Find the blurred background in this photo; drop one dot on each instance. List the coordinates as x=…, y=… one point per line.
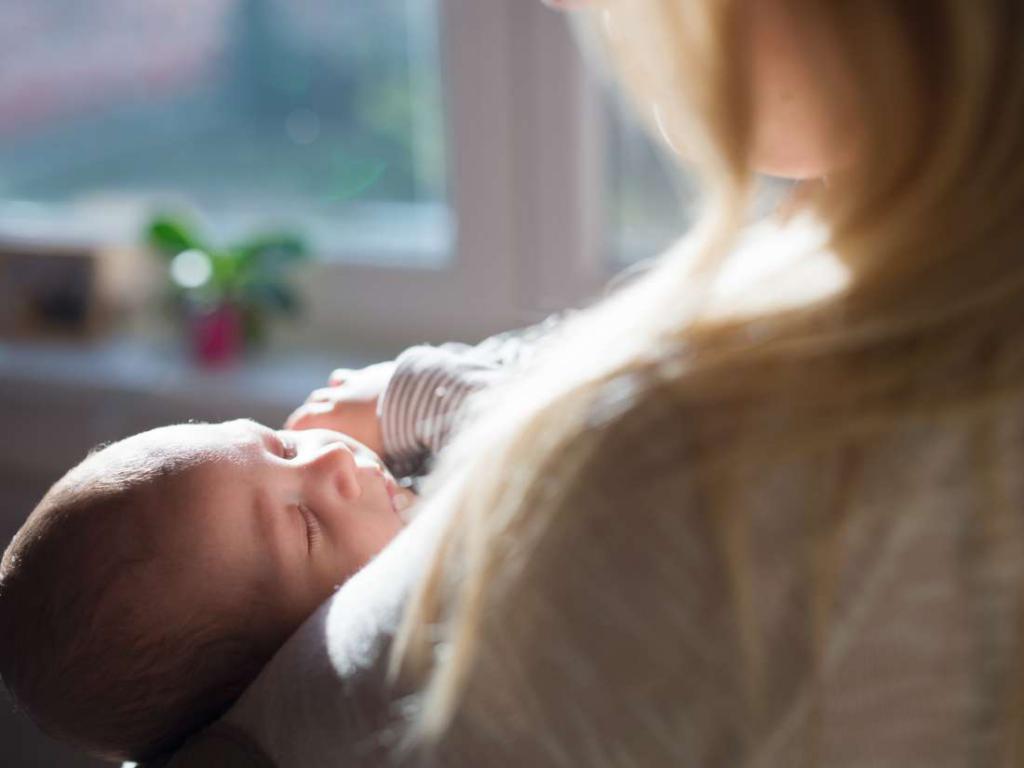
x=206, y=205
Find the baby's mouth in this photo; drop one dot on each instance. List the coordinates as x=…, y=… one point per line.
x=399, y=503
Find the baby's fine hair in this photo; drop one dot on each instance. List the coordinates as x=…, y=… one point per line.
x=81, y=652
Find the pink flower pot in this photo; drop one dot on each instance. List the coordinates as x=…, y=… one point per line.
x=217, y=335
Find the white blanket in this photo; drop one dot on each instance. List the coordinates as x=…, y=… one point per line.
x=323, y=699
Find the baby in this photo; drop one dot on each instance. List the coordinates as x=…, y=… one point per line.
x=156, y=578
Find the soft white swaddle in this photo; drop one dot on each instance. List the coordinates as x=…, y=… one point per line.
x=319, y=701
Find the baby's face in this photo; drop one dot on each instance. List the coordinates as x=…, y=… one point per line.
x=278, y=517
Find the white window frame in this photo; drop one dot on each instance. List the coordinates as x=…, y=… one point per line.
x=524, y=148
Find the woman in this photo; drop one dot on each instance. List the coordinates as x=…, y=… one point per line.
x=762, y=507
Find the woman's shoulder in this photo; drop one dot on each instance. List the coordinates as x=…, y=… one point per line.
x=658, y=423
x=639, y=422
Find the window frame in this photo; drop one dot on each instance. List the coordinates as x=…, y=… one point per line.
x=525, y=154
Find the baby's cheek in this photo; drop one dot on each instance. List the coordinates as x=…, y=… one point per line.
x=374, y=533
x=316, y=591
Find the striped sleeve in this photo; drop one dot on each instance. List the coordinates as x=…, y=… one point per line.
x=420, y=407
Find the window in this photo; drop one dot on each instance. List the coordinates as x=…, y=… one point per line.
x=321, y=115
x=650, y=200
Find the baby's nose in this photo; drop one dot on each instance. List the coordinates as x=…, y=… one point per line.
x=338, y=465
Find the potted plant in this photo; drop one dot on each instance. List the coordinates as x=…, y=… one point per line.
x=226, y=296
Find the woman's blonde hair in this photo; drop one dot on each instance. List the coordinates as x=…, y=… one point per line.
x=928, y=226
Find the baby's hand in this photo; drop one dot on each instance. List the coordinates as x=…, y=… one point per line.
x=348, y=405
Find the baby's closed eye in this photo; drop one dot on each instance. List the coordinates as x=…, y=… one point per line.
x=313, y=529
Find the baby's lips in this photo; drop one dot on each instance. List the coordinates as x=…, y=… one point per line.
x=399, y=502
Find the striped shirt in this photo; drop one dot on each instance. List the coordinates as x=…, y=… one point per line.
x=426, y=397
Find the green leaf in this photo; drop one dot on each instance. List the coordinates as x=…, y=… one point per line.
x=271, y=253
x=276, y=297
x=250, y=273
x=171, y=236
x=226, y=272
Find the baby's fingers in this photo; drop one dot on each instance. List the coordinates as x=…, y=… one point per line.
x=310, y=416
x=339, y=376
x=322, y=395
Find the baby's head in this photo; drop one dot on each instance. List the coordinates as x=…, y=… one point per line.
x=157, y=577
